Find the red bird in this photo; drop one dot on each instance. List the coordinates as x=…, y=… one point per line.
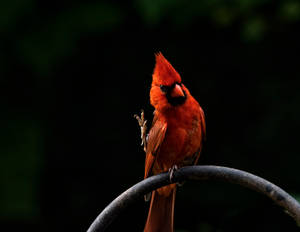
x=174, y=140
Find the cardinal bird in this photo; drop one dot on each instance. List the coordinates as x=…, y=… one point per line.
x=175, y=139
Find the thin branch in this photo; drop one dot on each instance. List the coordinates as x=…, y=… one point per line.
x=279, y=196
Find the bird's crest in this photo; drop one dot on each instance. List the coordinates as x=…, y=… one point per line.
x=164, y=73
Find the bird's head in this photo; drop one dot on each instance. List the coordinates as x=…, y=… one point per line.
x=167, y=89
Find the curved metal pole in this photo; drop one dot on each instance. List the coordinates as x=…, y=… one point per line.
x=279, y=196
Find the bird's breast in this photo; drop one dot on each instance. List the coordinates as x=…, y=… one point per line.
x=182, y=140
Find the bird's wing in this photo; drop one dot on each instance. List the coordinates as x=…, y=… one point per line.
x=155, y=139
x=203, y=135
x=203, y=125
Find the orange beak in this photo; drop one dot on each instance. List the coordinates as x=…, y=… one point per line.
x=177, y=91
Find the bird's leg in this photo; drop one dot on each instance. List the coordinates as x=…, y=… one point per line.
x=142, y=123
x=172, y=170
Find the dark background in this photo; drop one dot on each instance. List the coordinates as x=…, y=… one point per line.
x=72, y=74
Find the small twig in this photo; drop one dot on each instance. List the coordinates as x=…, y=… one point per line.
x=142, y=123
x=248, y=180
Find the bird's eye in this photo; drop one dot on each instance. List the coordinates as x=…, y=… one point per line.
x=163, y=88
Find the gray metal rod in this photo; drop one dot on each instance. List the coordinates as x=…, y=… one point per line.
x=248, y=180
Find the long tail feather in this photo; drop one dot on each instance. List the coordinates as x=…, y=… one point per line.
x=161, y=212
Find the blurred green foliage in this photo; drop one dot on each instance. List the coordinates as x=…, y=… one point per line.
x=11, y=12
x=56, y=40
x=46, y=41
x=290, y=11
x=21, y=162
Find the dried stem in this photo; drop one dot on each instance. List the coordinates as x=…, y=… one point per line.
x=142, y=123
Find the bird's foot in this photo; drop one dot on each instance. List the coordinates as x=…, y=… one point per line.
x=172, y=170
x=142, y=123
x=147, y=196
x=179, y=184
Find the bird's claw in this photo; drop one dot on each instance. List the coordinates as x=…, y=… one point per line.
x=172, y=170
x=142, y=123
x=179, y=184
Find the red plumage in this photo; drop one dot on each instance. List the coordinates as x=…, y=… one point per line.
x=175, y=138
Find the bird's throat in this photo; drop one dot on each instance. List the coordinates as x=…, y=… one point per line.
x=175, y=101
